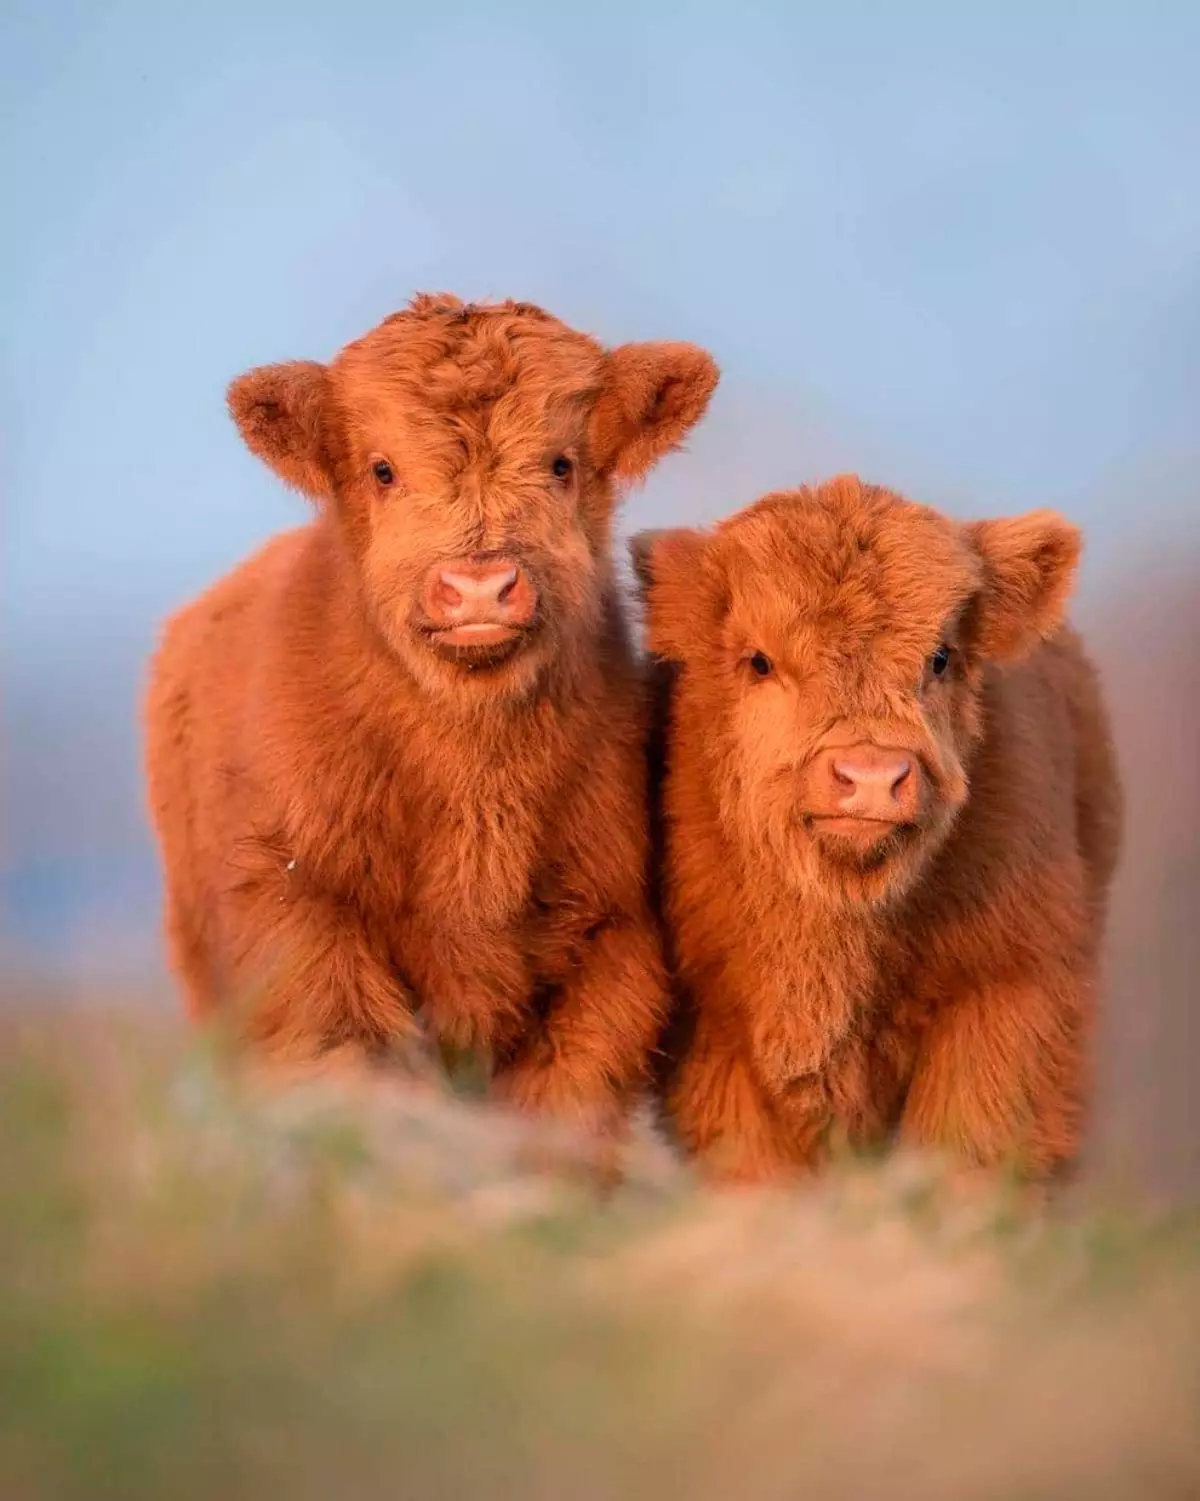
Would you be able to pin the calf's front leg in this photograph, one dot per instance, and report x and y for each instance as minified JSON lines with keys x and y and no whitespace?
{"x":1001,"y":1075}
{"x":724,"y":1117}
{"x":306,"y":978}
{"x":590,"y":1053}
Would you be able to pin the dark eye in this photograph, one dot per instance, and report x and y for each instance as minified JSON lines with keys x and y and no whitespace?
{"x":383,"y":472}
{"x":561,"y":467}
{"x":760,"y":664}
{"x":939,"y":661}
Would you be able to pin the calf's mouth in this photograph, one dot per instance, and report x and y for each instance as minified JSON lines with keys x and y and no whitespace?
{"x":864,"y":843}
{"x":478,"y":644}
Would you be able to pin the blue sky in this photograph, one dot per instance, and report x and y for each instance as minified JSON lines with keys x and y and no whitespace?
{"x":955,"y":247}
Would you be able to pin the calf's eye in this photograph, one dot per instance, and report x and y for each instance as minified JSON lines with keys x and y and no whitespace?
{"x":561,"y":467}
{"x":760,"y":664}
{"x":383,"y":472}
{"x":940,"y":661}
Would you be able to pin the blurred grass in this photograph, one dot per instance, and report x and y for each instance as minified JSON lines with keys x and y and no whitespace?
{"x":359,"y":1288}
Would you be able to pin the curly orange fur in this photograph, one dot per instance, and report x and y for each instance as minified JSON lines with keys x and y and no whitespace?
{"x":356,"y":827}
{"x":935,"y":974}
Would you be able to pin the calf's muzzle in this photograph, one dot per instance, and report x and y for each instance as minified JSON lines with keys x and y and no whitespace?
{"x":479,"y":600}
{"x":878,"y":784}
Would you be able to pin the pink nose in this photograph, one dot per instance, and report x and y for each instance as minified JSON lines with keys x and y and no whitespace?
{"x":870,"y":781}
{"x":480,"y":591}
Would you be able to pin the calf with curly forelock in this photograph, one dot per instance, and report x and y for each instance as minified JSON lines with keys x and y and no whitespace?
{"x":890,"y":817}
{"x":396,"y":757}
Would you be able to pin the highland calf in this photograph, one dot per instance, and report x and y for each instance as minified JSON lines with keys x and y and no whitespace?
{"x":396,"y":758}
{"x":890,"y":816}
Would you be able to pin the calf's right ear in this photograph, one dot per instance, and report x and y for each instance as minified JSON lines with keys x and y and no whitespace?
{"x":671,"y":569}
{"x":1029,"y":565}
{"x":283,"y":415}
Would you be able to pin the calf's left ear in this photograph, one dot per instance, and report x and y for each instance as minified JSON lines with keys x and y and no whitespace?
{"x":652,"y":397}
{"x":670,"y":569}
{"x":1029,"y":565}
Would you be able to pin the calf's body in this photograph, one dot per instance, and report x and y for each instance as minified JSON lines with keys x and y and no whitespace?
{"x":890,"y":817}
{"x":395,"y":757}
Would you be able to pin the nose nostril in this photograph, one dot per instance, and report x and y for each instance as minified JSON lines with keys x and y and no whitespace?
{"x":903,"y":770}
{"x":843,"y":775}
{"x":446,"y":593}
{"x":507,"y":586}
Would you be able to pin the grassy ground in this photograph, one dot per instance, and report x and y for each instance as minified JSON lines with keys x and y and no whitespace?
{"x":359,"y":1291}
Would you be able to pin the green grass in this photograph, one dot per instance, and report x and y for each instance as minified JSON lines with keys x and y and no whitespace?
{"x":360,"y":1289}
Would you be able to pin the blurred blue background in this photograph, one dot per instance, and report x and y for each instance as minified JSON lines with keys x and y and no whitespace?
{"x":955,"y":248}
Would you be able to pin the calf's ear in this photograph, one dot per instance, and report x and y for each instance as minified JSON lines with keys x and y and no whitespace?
{"x":1029,"y":565}
{"x":283,"y":415}
{"x":651,"y":398}
{"x":672,"y":576}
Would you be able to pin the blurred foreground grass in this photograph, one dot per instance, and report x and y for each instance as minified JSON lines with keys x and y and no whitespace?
{"x":362,"y":1290}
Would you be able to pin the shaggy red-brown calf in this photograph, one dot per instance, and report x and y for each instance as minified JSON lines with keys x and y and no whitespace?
{"x":890,"y":818}
{"x":396,"y":758}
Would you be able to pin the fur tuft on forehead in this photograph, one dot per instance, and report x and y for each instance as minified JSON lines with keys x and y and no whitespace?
{"x":448,"y":307}
{"x":462,"y":357}
{"x":850,"y":559}
{"x":845,"y":529}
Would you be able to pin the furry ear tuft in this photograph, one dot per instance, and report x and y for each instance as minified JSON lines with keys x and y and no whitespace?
{"x":652,"y":397}
{"x":671,"y":568}
{"x":282,"y":413}
{"x":1029,"y":565}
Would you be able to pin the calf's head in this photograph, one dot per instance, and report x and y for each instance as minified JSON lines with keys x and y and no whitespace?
{"x":832,"y":645}
{"x":470,"y":455}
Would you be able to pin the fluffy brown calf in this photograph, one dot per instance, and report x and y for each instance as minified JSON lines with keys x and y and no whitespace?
{"x":395,"y":758}
{"x":891,"y":815}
